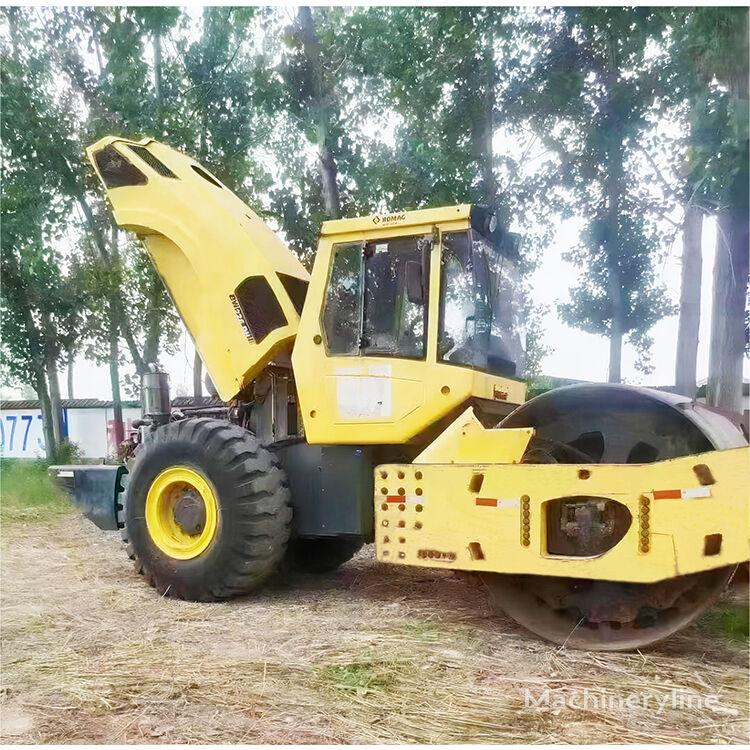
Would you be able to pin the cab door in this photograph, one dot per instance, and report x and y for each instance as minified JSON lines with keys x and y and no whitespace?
{"x":370,"y":342}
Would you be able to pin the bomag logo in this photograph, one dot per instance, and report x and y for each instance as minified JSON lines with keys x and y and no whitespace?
{"x":388,"y":218}
{"x":241,"y":318}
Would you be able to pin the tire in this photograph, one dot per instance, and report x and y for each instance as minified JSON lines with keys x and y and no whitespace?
{"x":252,"y":514}
{"x":321,"y":555}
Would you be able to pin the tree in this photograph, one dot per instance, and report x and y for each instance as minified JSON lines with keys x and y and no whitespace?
{"x":589,"y":94}
{"x":40,"y":293}
{"x":714,"y":44}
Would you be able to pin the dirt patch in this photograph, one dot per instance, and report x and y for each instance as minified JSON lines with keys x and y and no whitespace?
{"x":371,"y":654}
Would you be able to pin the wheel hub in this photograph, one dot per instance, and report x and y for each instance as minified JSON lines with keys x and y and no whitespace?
{"x":182,"y":513}
{"x":190,"y":512}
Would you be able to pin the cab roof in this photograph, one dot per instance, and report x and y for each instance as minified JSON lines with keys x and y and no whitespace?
{"x":425,"y":216}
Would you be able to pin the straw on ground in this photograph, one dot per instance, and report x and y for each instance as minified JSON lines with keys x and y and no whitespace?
{"x":371,"y":654}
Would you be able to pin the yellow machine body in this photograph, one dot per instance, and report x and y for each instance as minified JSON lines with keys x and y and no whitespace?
{"x":209,"y":247}
{"x":467,"y":503}
{"x":206,"y":244}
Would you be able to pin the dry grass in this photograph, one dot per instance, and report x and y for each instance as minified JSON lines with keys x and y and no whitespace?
{"x":372,"y":654}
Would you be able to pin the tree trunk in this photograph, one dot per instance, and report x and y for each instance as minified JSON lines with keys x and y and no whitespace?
{"x":11,"y":15}
{"x":197,"y":376}
{"x":690,"y":303}
{"x":42,"y":392}
{"x":614,"y":370}
{"x":617,"y":323}
{"x":53,"y":381}
{"x":728,"y":341}
{"x":114,"y":380}
{"x":97,"y":46}
{"x":611,"y":128}
{"x":488,"y":160}
{"x":329,"y":177}
{"x":56,"y":413}
{"x":157,"y":79}
{"x":716,"y":346}
{"x":724,"y":388}
{"x":71,"y":363}
{"x":327,"y":167}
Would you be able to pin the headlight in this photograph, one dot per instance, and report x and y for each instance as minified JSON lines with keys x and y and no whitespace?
{"x":584,"y":526}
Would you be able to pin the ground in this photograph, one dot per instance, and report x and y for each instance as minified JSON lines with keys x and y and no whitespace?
{"x":370,"y":654}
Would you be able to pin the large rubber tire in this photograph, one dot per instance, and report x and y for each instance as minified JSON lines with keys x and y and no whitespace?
{"x":254,"y":514}
{"x":321,"y":555}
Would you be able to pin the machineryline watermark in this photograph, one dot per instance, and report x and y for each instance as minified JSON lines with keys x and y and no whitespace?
{"x":601,"y":701}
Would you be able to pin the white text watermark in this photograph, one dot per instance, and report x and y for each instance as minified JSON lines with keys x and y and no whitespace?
{"x":602,"y":701}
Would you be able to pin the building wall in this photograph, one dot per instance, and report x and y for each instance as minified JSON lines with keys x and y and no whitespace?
{"x":92,"y":429}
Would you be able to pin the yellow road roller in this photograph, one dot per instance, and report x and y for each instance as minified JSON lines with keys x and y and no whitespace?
{"x":380,"y":398}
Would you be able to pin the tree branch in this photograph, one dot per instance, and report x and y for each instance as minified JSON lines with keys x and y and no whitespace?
{"x":670,"y":190}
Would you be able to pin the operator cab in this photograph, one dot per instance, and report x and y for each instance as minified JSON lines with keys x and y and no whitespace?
{"x":418,"y":317}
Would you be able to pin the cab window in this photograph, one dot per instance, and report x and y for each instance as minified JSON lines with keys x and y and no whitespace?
{"x":377,"y":297}
{"x":395,"y":297}
{"x":479,"y":302}
{"x":343,"y":306}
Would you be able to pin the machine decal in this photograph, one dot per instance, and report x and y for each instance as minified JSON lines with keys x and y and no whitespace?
{"x":498,"y":502}
{"x":434,"y":554}
{"x":364,"y":396}
{"x":240,"y":316}
{"x":388,"y":219}
{"x":687,"y":494}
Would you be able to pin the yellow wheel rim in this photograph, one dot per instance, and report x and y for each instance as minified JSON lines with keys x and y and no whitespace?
{"x":182,"y":514}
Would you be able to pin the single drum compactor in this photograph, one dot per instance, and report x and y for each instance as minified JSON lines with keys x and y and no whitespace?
{"x":379,"y":398}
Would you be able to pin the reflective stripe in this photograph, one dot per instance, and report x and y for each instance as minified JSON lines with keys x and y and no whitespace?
{"x":696,"y":492}
{"x":688,"y":494}
{"x":498,"y":502}
{"x":667,"y":494}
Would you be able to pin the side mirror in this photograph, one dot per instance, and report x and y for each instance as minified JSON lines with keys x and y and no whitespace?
{"x":484,"y":220}
{"x":414,"y":287}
